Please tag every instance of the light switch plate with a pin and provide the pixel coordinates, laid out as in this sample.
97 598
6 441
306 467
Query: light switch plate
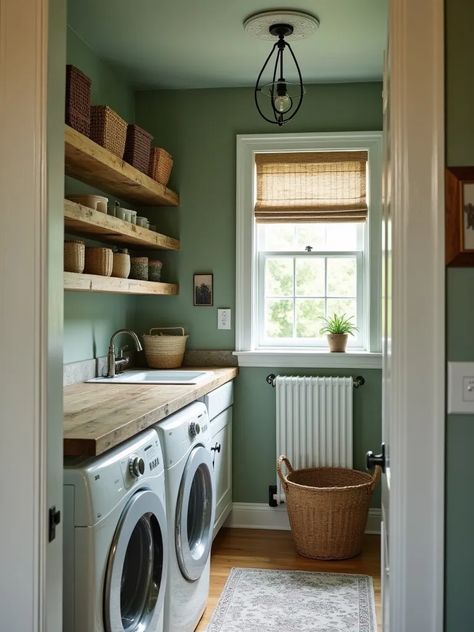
224 318
461 388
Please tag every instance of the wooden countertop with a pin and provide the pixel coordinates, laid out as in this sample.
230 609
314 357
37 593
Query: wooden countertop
98 417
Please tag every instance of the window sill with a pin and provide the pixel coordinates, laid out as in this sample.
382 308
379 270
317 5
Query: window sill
310 359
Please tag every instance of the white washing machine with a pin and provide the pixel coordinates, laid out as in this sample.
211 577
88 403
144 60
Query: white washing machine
190 501
115 539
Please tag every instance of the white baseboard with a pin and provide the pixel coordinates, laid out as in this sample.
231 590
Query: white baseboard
262 516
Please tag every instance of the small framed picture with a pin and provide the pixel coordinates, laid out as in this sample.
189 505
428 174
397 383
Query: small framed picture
203 290
460 216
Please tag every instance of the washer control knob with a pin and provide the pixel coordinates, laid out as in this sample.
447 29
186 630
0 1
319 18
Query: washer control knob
194 429
136 466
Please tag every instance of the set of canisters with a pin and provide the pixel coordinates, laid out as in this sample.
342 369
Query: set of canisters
104 261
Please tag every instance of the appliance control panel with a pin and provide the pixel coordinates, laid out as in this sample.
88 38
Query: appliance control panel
146 459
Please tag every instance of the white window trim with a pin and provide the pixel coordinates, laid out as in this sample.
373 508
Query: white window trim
247 268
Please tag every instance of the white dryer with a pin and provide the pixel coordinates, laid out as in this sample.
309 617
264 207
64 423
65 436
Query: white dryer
115 539
190 500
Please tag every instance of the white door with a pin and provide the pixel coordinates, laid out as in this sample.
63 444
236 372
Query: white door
414 302
386 349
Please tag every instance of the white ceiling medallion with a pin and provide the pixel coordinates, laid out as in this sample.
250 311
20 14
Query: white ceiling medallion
258 24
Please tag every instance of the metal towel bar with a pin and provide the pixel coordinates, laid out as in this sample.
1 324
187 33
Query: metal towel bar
358 380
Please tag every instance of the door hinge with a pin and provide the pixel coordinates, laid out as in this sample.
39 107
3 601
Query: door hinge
54 520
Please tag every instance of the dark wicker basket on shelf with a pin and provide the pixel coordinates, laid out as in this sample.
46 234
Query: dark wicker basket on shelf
108 129
78 100
161 164
138 148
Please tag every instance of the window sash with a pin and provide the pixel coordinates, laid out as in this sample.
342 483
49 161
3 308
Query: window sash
264 342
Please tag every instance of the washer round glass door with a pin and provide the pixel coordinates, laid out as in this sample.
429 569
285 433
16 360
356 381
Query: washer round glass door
195 510
137 567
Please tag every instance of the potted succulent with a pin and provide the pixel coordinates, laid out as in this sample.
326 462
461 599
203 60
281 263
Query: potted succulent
338 329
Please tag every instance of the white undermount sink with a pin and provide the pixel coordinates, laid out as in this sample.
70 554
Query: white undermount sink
155 377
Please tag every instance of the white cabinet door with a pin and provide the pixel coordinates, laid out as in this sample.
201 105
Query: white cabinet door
221 447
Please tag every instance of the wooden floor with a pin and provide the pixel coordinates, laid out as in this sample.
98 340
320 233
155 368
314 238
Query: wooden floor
258 548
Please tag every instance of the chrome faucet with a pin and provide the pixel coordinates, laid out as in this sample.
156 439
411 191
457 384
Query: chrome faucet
118 364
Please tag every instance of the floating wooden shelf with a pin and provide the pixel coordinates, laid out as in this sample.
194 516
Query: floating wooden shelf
89 162
86 221
114 285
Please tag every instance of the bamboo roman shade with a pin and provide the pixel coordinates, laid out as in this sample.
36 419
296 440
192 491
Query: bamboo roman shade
311 187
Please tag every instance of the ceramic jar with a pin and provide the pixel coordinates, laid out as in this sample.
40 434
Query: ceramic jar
121 265
154 269
139 268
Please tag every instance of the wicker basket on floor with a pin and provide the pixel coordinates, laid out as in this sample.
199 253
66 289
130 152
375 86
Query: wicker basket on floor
78 99
327 508
108 129
138 148
161 164
163 348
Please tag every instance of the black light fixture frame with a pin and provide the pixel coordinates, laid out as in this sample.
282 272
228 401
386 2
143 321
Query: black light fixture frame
281 31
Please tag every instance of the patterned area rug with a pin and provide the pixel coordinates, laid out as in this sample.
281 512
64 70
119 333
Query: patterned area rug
258 600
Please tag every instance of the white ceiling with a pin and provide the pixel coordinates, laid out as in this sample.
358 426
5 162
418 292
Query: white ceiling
202 43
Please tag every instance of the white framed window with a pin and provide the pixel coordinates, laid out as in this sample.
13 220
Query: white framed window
291 274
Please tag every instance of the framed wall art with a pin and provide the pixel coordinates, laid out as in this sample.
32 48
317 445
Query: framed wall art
460 216
203 289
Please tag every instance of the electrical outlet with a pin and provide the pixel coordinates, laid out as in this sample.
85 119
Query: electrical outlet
223 318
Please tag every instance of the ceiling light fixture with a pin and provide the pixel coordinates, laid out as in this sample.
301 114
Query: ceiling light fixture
278 99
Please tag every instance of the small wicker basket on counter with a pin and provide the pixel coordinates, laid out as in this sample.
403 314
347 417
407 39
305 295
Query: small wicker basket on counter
327 508
164 347
108 129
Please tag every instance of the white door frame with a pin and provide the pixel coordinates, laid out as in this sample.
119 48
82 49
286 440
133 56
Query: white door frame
23 315
417 381
417 441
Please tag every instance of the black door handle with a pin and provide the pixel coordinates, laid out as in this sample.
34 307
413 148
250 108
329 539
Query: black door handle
216 448
376 459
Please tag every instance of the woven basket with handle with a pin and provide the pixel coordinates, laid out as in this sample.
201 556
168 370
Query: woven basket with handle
327 508
163 348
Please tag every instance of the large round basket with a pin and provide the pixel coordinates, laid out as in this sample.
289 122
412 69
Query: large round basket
164 347
327 508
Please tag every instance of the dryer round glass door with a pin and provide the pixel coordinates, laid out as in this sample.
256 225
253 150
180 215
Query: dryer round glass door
137 567
195 510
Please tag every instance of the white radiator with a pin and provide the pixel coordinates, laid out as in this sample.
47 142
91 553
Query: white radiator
314 422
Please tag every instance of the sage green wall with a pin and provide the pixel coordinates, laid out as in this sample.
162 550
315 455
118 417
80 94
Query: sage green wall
254 439
199 127
460 333
90 319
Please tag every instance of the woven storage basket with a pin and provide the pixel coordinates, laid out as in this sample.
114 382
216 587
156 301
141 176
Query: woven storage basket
327 508
164 351
161 164
74 255
108 129
78 99
138 148
99 261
